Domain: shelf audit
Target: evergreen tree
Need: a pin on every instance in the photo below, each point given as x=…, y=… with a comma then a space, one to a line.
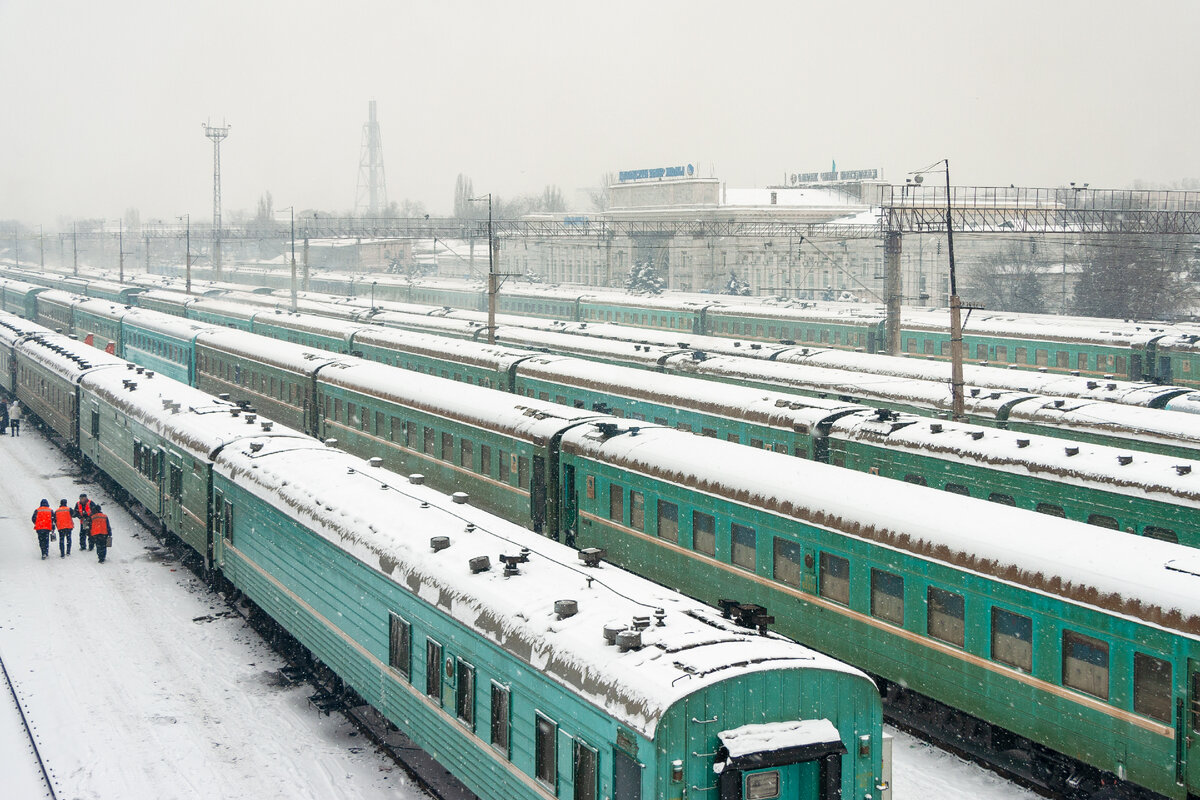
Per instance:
x=644, y=279
x=1134, y=277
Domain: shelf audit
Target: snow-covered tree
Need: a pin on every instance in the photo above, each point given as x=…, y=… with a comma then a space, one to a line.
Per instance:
x=644, y=279
x=736, y=285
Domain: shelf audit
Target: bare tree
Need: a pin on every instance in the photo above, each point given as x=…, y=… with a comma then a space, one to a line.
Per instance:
x=599, y=195
x=1009, y=279
x=464, y=190
x=1134, y=276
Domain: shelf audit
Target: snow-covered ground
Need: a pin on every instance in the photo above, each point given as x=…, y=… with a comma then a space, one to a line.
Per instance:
x=139, y=685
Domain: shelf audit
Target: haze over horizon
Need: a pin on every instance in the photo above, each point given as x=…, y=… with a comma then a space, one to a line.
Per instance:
x=105, y=101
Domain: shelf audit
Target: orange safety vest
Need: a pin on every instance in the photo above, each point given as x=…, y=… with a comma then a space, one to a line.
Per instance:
x=99, y=524
x=43, y=519
x=62, y=518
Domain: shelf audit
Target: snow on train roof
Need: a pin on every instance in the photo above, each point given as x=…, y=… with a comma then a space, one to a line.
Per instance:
x=861, y=387
x=775, y=409
x=474, y=405
x=466, y=351
x=1113, y=469
x=339, y=497
x=252, y=347
x=48, y=349
x=13, y=327
x=192, y=418
x=1081, y=563
x=1150, y=424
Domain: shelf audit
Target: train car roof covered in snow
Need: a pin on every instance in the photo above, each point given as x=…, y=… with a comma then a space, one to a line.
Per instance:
x=331, y=493
x=466, y=351
x=525, y=417
x=187, y=416
x=1154, y=582
x=1129, y=472
x=65, y=356
x=294, y=358
x=1150, y=424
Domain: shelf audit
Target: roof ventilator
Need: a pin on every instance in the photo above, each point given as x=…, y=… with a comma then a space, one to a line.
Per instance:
x=460, y=497
x=511, y=562
x=747, y=615
x=1022, y=443
x=1072, y=451
x=1124, y=461
x=256, y=446
x=1059, y=403
x=439, y=543
x=375, y=461
x=977, y=435
x=416, y=479
x=267, y=425
x=479, y=564
x=611, y=630
x=629, y=640
x=1182, y=469
x=935, y=427
x=566, y=608
x=592, y=556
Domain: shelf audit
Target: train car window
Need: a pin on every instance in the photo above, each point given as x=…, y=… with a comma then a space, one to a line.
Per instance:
x=627, y=777
x=410, y=435
x=433, y=670
x=1152, y=687
x=502, y=467
x=485, y=459
x=834, y=578
x=1120, y=368
x=379, y=423
x=544, y=396
x=395, y=426
x=668, y=521
x=1063, y=359
x=616, y=503
x=430, y=443
x=545, y=747
x=586, y=771
x=744, y=546
x=227, y=520
x=911, y=346
x=352, y=418
x=1085, y=664
x=981, y=352
x=464, y=692
x=756, y=443
x=919, y=480
x=788, y=562
x=523, y=472
x=887, y=596
x=945, y=349
x=1162, y=534
x=1022, y=355
x=637, y=510
x=500, y=719
x=732, y=437
x=683, y=426
x=637, y=416
x=400, y=645
x=958, y=488
x=1002, y=499
x=1041, y=357
x=1051, y=510
x=660, y=421
x=709, y=432
x=1103, y=521
x=704, y=533
x=1081, y=362
x=466, y=454
x=780, y=448
x=928, y=346
x=1012, y=639
x=946, y=616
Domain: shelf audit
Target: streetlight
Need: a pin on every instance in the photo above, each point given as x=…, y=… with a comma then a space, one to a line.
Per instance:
x=956, y=335
x=187, y=259
x=493, y=287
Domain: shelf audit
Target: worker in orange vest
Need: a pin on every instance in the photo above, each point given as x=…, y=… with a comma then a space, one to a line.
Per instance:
x=43, y=523
x=65, y=525
x=101, y=533
x=83, y=511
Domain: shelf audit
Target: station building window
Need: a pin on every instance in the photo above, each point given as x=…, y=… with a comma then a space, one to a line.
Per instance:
x=1085, y=664
x=887, y=596
x=1012, y=639
x=834, y=579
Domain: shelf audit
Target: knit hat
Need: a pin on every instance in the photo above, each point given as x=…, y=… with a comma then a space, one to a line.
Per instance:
x=45, y=502
x=62, y=502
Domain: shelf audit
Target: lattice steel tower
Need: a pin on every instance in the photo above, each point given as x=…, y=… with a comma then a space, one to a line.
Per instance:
x=371, y=197
x=217, y=135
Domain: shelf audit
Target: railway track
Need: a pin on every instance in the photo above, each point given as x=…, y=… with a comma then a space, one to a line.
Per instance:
x=37, y=778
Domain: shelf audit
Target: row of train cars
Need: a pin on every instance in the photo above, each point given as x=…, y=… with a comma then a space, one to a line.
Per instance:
x=1139, y=351
x=533, y=676
x=1065, y=652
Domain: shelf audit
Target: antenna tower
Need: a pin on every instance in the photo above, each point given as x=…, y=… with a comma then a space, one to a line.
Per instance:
x=217, y=135
x=371, y=197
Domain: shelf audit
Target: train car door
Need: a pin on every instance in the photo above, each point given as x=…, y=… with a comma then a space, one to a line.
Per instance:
x=537, y=495
x=570, y=506
x=1190, y=726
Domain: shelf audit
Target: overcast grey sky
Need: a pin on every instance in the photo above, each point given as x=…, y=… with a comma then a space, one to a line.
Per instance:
x=103, y=101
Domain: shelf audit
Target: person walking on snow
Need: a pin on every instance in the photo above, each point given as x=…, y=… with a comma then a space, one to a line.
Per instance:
x=65, y=525
x=83, y=512
x=14, y=418
x=43, y=523
x=100, y=532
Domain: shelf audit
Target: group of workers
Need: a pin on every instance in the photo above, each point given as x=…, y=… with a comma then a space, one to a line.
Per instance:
x=95, y=532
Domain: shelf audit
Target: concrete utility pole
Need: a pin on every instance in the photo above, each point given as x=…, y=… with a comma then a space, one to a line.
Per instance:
x=493, y=279
x=187, y=259
x=217, y=135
